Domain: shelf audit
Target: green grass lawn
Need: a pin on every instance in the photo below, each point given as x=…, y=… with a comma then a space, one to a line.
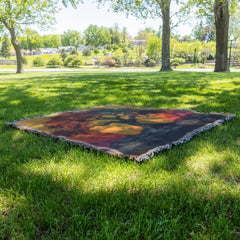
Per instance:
x=53, y=190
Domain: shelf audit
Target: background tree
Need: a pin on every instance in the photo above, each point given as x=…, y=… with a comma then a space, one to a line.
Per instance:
x=154, y=48
x=51, y=41
x=46, y=41
x=221, y=10
x=32, y=40
x=221, y=13
x=205, y=32
x=234, y=25
x=144, y=34
x=5, y=49
x=124, y=35
x=165, y=9
x=72, y=38
x=186, y=38
x=97, y=36
x=192, y=50
x=115, y=35
x=63, y=54
x=16, y=15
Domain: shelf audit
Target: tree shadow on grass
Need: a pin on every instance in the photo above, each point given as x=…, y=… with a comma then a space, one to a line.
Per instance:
x=70, y=91
x=39, y=95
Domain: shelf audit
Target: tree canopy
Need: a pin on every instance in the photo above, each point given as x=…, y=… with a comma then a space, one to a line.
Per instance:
x=234, y=25
x=97, y=36
x=5, y=49
x=71, y=38
x=22, y=13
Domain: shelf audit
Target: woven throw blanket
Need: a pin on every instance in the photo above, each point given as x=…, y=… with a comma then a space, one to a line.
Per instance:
x=123, y=130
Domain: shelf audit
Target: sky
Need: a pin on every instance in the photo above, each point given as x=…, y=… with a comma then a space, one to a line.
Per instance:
x=88, y=13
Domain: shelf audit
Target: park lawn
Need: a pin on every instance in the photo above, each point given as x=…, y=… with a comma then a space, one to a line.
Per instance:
x=45, y=57
x=8, y=67
x=53, y=190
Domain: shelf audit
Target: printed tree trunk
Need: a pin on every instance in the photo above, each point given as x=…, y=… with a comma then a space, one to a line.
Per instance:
x=165, y=8
x=221, y=12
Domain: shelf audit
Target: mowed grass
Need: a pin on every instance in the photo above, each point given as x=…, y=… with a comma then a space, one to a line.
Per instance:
x=52, y=190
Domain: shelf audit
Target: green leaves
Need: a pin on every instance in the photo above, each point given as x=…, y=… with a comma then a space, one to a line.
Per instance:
x=21, y=13
x=71, y=38
x=5, y=49
x=74, y=3
x=97, y=36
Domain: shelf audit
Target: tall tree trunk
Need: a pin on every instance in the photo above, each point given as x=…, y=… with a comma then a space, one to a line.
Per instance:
x=17, y=48
x=221, y=12
x=165, y=8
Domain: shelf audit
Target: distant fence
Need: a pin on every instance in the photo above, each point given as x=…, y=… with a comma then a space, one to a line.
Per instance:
x=8, y=62
x=210, y=61
x=235, y=64
x=232, y=63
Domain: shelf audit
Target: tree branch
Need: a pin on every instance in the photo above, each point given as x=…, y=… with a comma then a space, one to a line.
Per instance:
x=5, y=23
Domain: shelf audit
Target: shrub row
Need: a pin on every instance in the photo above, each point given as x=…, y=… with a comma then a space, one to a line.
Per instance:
x=71, y=61
x=121, y=61
x=76, y=61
